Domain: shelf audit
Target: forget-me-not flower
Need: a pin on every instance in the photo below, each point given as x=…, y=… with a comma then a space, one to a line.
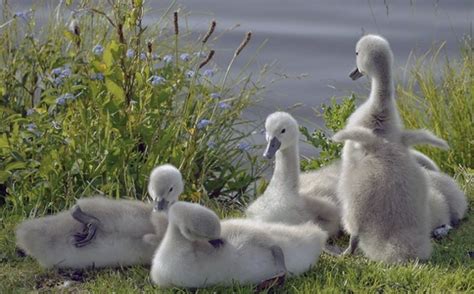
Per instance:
x=223, y=105
x=130, y=53
x=156, y=80
x=143, y=56
x=98, y=50
x=209, y=73
x=168, y=58
x=189, y=74
x=30, y=111
x=184, y=57
x=203, y=123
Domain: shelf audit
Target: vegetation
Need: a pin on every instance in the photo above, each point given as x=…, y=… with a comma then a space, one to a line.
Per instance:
x=91, y=104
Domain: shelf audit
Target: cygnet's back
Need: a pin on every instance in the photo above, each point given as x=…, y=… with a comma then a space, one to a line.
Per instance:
x=122, y=224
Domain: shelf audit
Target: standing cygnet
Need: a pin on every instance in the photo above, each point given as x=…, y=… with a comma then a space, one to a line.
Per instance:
x=101, y=232
x=384, y=198
x=281, y=201
x=198, y=251
x=379, y=113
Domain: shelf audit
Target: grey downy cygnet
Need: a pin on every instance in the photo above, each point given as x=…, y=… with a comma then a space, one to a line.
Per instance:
x=101, y=232
x=384, y=195
x=200, y=251
x=281, y=201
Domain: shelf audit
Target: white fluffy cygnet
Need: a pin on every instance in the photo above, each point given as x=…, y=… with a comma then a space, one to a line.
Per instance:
x=200, y=251
x=102, y=232
x=281, y=201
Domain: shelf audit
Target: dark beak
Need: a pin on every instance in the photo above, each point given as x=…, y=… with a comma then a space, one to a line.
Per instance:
x=160, y=204
x=355, y=74
x=272, y=148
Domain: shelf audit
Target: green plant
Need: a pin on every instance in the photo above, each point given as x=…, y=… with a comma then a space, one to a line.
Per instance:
x=335, y=116
x=443, y=104
x=92, y=106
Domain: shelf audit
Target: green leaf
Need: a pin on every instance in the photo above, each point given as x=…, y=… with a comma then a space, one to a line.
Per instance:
x=15, y=165
x=4, y=142
x=115, y=90
x=111, y=53
x=4, y=175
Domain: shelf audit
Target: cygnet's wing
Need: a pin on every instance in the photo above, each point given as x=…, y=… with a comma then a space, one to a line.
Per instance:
x=415, y=137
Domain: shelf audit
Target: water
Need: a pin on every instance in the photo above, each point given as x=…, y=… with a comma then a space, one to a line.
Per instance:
x=317, y=38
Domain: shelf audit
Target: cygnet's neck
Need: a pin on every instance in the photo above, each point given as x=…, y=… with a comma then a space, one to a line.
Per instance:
x=287, y=169
x=381, y=89
x=174, y=235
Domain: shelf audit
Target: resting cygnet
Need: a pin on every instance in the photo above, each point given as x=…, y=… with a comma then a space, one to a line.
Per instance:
x=384, y=195
x=281, y=201
x=200, y=251
x=102, y=232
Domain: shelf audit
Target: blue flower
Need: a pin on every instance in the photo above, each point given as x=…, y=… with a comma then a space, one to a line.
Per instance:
x=155, y=56
x=97, y=76
x=142, y=56
x=211, y=144
x=65, y=73
x=223, y=105
x=189, y=74
x=168, y=58
x=208, y=73
x=215, y=95
x=156, y=80
x=98, y=50
x=30, y=111
x=31, y=127
x=184, y=57
x=58, y=81
x=203, y=123
x=130, y=53
x=60, y=100
x=24, y=15
x=57, y=71
x=244, y=146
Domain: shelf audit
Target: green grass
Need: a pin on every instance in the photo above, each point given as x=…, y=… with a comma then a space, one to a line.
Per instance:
x=450, y=269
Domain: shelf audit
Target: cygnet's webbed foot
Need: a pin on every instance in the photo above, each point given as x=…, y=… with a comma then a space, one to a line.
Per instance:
x=455, y=222
x=353, y=243
x=90, y=223
x=332, y=250
x=274, y=282
x=216, y=243
x=441, y=232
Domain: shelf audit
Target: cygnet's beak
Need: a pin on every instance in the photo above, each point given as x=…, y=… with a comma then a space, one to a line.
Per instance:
x=160, y=204
x=355, y=74
x=272, y=147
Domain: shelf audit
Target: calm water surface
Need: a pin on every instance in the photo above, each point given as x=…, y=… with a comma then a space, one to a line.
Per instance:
x=316, y=39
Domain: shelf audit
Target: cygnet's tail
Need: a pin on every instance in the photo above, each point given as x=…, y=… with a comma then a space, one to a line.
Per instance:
x=416, y=137
x=357, y=134
x=46, y=238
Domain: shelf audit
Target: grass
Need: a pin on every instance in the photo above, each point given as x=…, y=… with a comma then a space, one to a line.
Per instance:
x=137, y=124
x=449, y=270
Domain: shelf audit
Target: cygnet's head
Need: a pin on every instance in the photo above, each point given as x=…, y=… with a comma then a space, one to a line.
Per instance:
x=374, y=57
x=164, y=186
x=281, y=132
x=195, y=222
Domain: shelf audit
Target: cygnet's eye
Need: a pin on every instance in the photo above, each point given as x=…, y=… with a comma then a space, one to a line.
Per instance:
x=357, y=53
x=283, y=131
x=171, y=189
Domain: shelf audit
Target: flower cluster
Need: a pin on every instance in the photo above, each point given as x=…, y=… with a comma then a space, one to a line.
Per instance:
x=62, y=100
x=156, y=80
x=60, y=74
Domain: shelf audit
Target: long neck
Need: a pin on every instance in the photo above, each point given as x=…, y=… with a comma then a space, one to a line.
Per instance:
x=173, y=233
x=382, y=89
x=287, y=169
